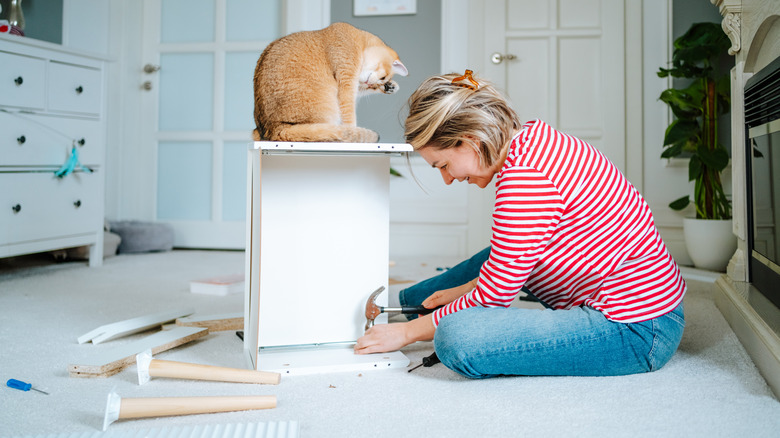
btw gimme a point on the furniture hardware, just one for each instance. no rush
(79, 89)
(82, 142)
(19, 81)
(77, 204)
(21, 139)
(498, 58)
(17, 208)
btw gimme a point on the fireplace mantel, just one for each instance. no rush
(753, 27)
(731, 10)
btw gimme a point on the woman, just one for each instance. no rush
(567, 226)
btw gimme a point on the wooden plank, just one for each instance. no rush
(108, 362)
(133, 325)
(215, 323)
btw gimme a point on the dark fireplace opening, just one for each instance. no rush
(762, 123)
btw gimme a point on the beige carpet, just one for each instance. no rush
(710, 388)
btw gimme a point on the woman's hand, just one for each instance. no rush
(447, 296)
(391, 337)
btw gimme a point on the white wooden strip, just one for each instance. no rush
(134, 325)
(271, 429)
(107, 362)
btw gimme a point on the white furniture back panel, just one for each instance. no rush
(324, 245)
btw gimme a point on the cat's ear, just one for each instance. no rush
(399, 68)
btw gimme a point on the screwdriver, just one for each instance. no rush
(428, 361)
(22, 386)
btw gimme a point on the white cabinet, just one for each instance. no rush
(51, 110)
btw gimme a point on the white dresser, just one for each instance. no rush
(51, 103)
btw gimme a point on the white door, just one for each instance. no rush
(198, 110)
(562, 61)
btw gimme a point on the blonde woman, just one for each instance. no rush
(567, 226)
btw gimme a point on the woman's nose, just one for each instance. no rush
(448, 179)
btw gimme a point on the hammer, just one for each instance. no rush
(373, 310)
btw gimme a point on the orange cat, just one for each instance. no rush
(307, 84)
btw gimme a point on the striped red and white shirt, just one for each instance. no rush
(569, 226)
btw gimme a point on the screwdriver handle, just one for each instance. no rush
(18, 384)
(22, 386)
(431, 360)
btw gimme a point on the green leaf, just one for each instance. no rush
(694, 168)
(673, 150)
(681, 131)
(716, 159)
(680, 204)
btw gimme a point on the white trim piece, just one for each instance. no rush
(133, 325)
(327, 359)
(759, 340)
(454, 19)
(302, 15)
(690, 273)
(108, 362)
(272, 147)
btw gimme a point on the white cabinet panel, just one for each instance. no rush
(22, 81)
(42, 206)
(43, 140)
(74, 89)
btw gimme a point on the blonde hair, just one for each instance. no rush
(442, 115)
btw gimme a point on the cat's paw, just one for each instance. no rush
(390, 87)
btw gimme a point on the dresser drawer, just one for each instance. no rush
(74, 88)
(22, 81)
(33, 140)
(42, 206)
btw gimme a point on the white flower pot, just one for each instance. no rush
(710, 243)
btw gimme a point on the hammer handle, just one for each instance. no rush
(409, 310)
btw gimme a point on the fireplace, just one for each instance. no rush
(762, 126)
(748, 295)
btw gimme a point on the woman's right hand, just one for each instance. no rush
(447, 296)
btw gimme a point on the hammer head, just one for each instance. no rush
(372, 310)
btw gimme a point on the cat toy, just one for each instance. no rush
(72, 164)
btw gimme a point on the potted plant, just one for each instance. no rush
(694, 134)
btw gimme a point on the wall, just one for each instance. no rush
(417, 40)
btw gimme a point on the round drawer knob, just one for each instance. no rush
(19, 80)
(77, 204)
(79, 89)
(21, 139)
(17, 208)
(82, 142)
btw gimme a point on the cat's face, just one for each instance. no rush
(376, 73)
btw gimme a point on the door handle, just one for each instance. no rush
(151, 68)
(498, 58)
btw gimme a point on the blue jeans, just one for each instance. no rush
(486, 342)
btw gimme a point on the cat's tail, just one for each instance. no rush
(320, 132)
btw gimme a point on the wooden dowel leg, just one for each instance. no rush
(167, 406)
(183, 370)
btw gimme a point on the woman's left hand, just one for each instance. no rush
(382, 338)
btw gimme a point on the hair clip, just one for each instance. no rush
(467, 75)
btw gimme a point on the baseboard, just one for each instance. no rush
(760, 341)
